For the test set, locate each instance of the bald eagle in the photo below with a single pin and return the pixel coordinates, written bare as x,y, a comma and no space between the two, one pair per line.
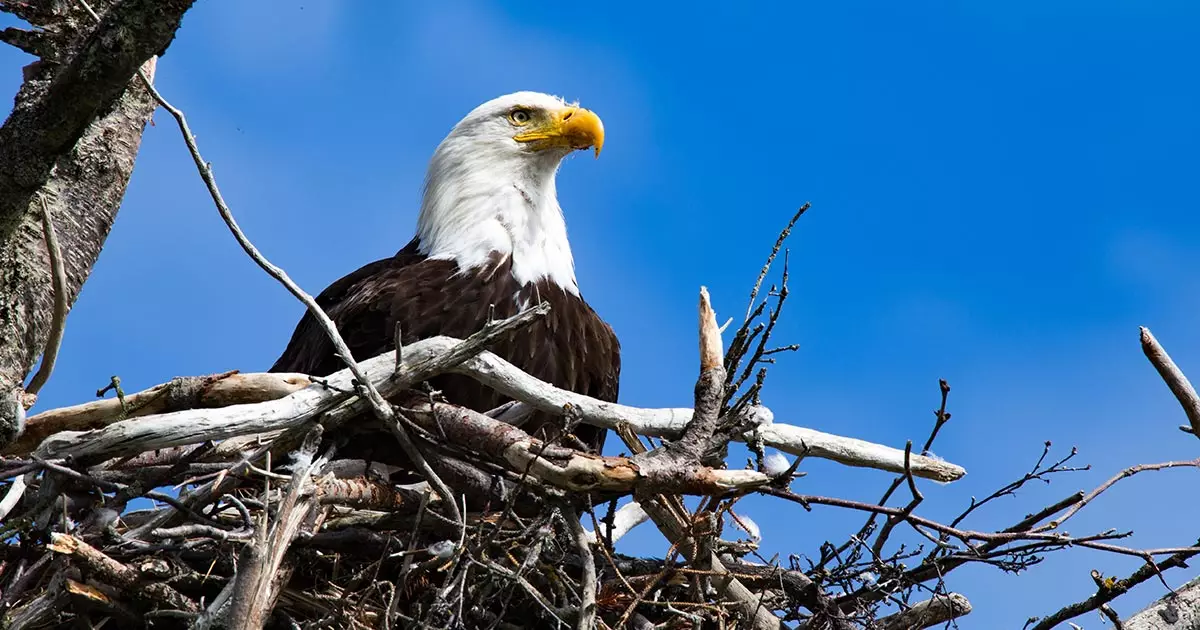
490,239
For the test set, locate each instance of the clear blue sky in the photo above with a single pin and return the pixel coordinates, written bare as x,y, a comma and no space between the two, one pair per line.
1002,193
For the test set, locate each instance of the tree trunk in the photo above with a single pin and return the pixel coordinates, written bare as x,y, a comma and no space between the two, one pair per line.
68,147
1172,612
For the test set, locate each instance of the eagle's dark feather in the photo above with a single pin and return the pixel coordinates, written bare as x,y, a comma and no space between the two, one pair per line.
571,348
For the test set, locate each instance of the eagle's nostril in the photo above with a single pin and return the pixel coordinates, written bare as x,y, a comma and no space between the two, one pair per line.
567,116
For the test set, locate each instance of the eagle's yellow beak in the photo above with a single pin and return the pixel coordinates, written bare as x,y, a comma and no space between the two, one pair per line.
568,128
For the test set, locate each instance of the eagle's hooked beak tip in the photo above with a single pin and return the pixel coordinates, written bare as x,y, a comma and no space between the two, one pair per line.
582,128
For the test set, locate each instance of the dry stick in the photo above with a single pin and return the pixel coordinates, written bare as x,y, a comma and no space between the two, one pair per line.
1124,474
937,610
1112,616
770,259
118,574
215,390
1174,377
254,595
886,531
709,390
968,535
13,496
380,406
587,592
572,470
58,321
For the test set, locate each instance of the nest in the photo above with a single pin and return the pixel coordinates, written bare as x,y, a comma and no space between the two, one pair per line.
228,501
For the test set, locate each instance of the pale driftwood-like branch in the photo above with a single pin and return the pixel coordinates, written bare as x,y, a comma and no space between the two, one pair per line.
931,612
627,517
188,392
180,428
1174,377
669,423
130,437
853,452
12,496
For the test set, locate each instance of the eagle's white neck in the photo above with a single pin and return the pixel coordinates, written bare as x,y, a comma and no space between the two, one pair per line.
481,201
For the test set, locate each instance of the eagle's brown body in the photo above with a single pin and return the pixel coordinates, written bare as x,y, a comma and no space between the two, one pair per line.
571,348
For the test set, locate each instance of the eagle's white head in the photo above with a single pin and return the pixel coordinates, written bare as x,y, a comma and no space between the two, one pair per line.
490,186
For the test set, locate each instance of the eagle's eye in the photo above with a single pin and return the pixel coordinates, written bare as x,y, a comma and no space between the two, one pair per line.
520,116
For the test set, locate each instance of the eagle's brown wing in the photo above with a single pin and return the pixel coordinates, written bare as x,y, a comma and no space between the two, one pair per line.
571,348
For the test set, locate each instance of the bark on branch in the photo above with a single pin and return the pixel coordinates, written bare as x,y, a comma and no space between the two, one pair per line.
1173,611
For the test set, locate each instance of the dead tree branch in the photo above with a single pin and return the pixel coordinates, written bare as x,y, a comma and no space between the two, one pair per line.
1174,378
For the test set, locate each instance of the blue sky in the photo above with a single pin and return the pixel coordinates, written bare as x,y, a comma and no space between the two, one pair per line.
1002,193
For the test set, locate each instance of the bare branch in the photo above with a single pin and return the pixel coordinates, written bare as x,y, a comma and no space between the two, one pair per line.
258,581
1174,377
1124,474
62,303
587,595
929,613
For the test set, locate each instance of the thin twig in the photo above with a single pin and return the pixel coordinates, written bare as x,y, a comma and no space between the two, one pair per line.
969,535
762,274
1124,474
587,603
